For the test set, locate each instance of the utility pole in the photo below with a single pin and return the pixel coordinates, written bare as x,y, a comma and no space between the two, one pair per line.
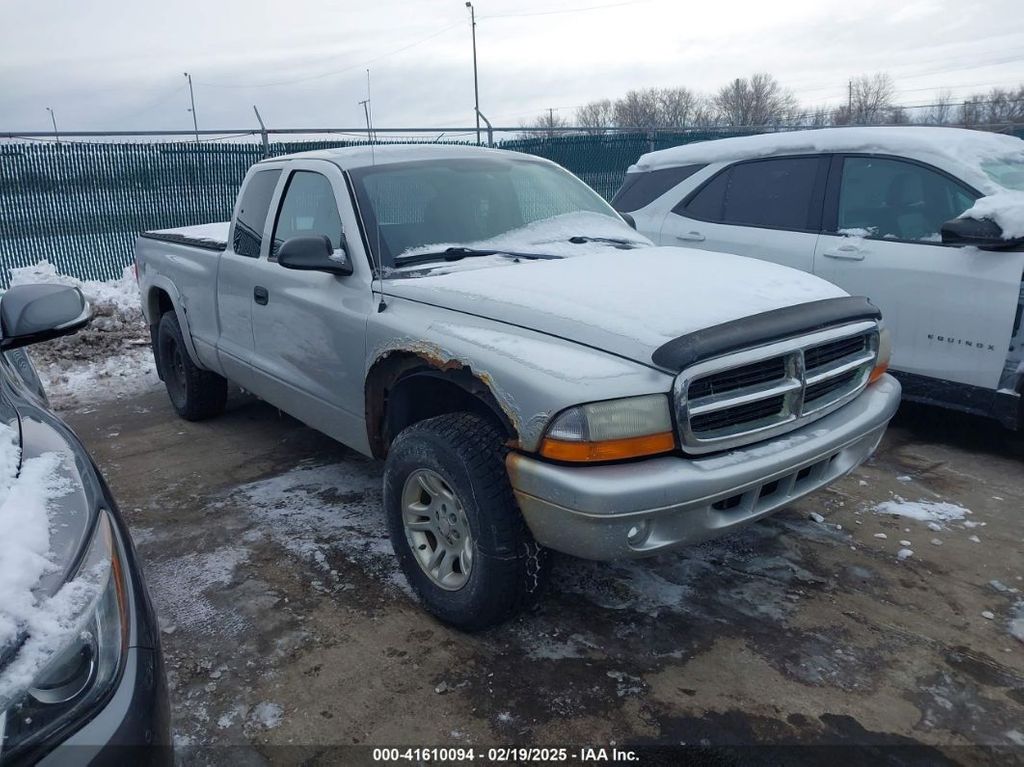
192,98
365,103
53,119
476,84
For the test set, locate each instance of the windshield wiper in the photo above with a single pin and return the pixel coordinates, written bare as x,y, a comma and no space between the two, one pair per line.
581,239
457,254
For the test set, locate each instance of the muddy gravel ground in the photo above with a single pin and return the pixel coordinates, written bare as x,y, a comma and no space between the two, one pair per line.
285,620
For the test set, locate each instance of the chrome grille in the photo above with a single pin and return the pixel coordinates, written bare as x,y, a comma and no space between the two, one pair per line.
755,394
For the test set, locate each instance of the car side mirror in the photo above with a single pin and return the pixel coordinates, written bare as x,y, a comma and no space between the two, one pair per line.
314,253
33,313
628,219
982,233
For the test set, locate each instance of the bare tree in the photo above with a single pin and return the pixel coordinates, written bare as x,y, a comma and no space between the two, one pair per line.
638,110
941,112
546,125
677,107
870,100
758,100
598,115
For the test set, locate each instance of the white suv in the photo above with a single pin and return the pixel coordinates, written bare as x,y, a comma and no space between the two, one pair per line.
878,212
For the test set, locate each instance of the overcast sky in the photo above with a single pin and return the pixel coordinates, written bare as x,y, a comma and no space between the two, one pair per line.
118,64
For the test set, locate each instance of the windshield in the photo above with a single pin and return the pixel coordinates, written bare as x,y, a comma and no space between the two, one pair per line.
436,204
1007,172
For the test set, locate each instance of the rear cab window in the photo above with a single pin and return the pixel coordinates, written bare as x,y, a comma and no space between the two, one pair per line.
252,212
641,189
776,193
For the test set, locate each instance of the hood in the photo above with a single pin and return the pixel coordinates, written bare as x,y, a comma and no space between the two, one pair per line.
628,302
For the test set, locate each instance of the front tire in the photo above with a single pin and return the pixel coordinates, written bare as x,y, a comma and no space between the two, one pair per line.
195,394
454,524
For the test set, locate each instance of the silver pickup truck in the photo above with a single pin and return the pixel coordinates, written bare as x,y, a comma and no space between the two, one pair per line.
534,373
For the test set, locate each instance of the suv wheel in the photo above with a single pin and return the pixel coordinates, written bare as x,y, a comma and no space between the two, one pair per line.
454,523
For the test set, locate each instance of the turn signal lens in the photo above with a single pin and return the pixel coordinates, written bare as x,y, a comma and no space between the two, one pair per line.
884,353
609,450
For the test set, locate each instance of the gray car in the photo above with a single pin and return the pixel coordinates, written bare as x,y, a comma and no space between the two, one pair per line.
100,696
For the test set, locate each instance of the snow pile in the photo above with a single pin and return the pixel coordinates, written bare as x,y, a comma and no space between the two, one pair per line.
936,512
107,359
24,559
1005,208
969,150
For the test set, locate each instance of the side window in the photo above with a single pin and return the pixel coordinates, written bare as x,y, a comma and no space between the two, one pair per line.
778,193
641,189
893,199
252,213
308,206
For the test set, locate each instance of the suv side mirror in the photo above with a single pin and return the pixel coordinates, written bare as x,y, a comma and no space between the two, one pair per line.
33,313
982,233
314,253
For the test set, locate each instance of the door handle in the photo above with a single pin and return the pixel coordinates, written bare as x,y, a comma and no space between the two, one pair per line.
261,295
848,252
691,237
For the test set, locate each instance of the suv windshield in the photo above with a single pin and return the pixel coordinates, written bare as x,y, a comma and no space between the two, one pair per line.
1007,172
432,205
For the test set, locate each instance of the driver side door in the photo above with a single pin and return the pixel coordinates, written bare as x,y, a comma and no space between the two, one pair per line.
309,326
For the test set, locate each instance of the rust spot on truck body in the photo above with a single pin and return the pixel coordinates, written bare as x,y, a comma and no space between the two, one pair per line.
393,364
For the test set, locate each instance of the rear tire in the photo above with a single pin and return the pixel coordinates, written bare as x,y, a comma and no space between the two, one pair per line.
449,505
195,394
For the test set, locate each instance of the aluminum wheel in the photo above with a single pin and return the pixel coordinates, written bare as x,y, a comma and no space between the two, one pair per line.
437,529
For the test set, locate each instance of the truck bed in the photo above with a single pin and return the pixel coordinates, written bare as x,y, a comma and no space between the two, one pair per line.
207,236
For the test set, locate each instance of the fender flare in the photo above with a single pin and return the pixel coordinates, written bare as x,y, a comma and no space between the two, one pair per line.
159,282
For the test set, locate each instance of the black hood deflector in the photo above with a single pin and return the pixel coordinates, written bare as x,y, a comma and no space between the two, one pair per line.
758,329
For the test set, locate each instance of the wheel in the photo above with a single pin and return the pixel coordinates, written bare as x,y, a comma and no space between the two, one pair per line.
195,393
455,527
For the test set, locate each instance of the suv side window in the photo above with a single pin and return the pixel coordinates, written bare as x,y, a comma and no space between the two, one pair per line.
894,199
779,193
252,213
641,189
308,207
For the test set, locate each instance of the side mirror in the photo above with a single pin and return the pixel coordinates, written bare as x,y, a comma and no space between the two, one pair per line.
313,253
33,313
980,232
628,219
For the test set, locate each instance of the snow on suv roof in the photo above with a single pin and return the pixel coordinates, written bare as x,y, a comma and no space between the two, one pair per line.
967,149
385,154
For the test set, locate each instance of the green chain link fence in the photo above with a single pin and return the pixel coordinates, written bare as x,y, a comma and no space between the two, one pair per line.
80,205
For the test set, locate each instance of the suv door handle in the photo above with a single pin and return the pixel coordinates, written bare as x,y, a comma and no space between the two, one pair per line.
691,237
849,252
261,295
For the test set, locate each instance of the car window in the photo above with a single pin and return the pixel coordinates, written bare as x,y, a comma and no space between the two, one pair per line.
252,212
308,207
893,199
641,189
777,193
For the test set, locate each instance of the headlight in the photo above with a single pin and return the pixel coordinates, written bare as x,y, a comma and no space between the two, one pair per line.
611,430
884,354
69,662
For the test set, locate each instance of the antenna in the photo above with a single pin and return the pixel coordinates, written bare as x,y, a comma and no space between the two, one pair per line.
365,103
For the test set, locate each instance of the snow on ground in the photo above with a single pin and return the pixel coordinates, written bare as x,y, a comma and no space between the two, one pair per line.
1017,621
108,359
25,558
935,512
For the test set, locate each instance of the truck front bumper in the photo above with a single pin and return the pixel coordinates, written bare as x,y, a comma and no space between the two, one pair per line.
643,508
